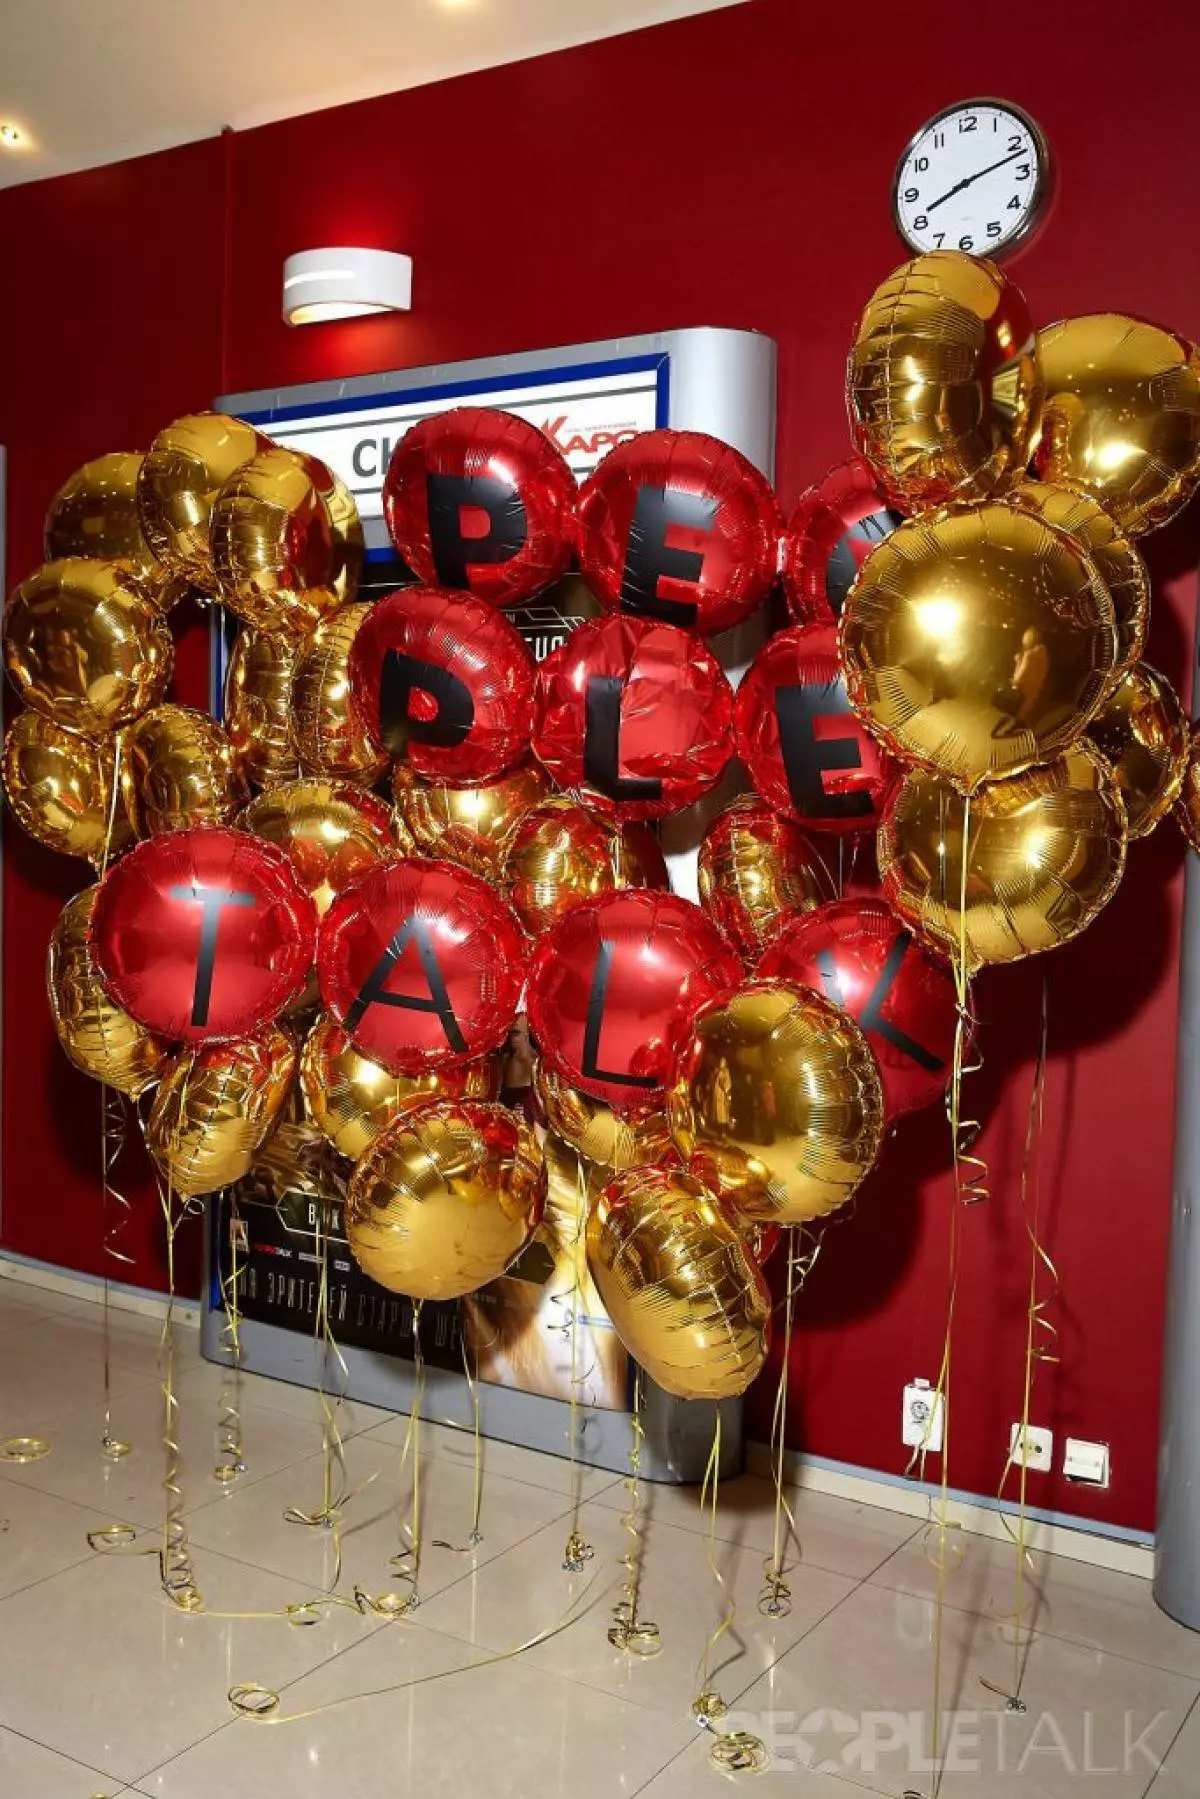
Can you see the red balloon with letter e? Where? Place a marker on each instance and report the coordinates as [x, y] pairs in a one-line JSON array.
[[481, 500], [422, 964], [614, 984], [858, 954], [203, 934], [808, 755]]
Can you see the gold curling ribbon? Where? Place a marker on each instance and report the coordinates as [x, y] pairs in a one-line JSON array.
[[406, 1563], [775, 1600], [577, 1551], [23, 1449], [475, 1535], [629, 1631], [175, 1559], [231, 1462], [112, 1143], [732, 1751]]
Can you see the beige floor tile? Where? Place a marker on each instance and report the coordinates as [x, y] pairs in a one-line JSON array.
[[29, 1771], [41, 1383], [135, 1342], [40, 1535], [1179, 1778], [302, 1403], [97, 1664], [1094, 1606], [507, 1731], [855, 1698], [694, 1774], [552, 1472], [523, 1590], [250, 1524], [832, 1533]]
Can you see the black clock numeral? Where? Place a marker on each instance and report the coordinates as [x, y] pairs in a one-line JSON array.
[[1015, 143], [1014, 204], [921, 222], [920, 164], [993, 228], [1023, 171], [911, 193], [968, 122], [939, 140], [939, 238], [966, 243]]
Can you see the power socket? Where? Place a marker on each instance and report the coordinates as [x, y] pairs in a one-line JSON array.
[[1038, 1455], [924, 1422]]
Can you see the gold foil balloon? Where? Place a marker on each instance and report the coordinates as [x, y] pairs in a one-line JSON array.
[[60, 786], [684, 1293], [756, 870], [96, 1035], [85, 645], [352, 1100], [1122, 415], [471, 825], [1143, 734], [1187, 806], [445, 1199], [272, 542], [258, 706], [348, 543], [977, 641], [1045, 853], [95, 514], [776, 1103], [943, 385], [603, 1138], [181, 475], [214, 1107], [1116, 561], [178, 769], [325, 732], [332, 831], [297, 1158], [563, 852]]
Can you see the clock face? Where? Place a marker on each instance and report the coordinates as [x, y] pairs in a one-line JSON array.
[[974, 178]]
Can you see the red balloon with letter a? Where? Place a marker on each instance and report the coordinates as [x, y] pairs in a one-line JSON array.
[[677, 526], [481, 500], [204, 934], [808, 755], [858, 954], [614, 985], [422, 965]]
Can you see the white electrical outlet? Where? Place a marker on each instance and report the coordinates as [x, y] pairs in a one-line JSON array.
[[924, 1424], [1039, 1448], [1087, 1462]]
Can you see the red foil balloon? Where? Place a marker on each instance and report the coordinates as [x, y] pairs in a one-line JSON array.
[[831, 533], [677, 526], [807, 754], [204, 934], [634, 714], [481, 500], [613, 986], [422, 965], [444, 683], [858, 954]]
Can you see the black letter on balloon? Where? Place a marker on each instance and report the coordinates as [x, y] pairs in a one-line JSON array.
[[602, 744], [214, 900], [805, 757], [447, 496], [648, 557], [455, 706], [851, 551], [374, 993], [871, 1017], [595, 1024]]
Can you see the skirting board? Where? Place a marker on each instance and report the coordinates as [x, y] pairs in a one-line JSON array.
[[1053, 1534]]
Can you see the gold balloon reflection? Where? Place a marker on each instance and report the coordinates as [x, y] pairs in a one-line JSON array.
[[977, 641], [326, 733], [562, 852], [684, 1292], [1122, 417], [755, 871], [1143, 734], [258, 706], [1045, 853], [352, 1100], [178, 769], [272, 543], [943, 384], [1117, 562], [332, 831], [181, 475], [604, 1138], [96, 1035], [95, 514], [445, 1199], [60, 787], [471, 825], [214, 1107]]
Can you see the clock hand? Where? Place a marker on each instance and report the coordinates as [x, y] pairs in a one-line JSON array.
[[968, 179]]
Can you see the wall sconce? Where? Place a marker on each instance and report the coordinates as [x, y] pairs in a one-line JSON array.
[[344, 284]]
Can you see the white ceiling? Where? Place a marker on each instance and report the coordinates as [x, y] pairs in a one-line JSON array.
[[93, 81]]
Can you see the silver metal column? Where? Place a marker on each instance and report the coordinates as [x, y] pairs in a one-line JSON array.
[[1177, 1554]]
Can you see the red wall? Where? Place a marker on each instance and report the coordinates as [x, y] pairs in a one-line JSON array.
[[733, 169]]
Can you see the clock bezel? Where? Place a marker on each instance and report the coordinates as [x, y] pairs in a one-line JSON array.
[[1042, 187]]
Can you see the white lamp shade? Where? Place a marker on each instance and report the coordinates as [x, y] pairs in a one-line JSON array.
[[341, 283]]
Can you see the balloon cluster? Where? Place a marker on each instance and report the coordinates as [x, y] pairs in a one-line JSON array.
[[406, 836]]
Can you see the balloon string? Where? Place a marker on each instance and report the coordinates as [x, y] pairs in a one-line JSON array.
[[629, 1632], [578, 1551], [775, 1600], [1041, 1339], [231, 1461], [732, 1751], [406, 1563], [175, 1562], [475, 1535], [112, 1142], [334, 1496]]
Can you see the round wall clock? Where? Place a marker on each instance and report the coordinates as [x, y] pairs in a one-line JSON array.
[[974, 178]]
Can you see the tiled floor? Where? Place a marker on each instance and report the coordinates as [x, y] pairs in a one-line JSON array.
[[503, 1683]]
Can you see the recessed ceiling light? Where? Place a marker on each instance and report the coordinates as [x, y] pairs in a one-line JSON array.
[[12, 137]]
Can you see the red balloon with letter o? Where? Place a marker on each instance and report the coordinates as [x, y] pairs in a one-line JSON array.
[[615, 983], [205, 934], [422, 965], [481, 500], [675, 525]]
